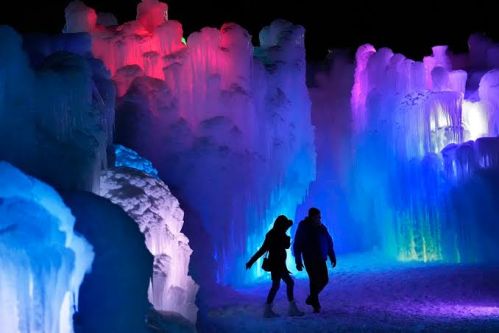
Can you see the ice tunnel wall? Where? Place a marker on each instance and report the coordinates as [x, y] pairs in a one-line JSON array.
[[56, 108], [330, 84], [412, 155], [56, 121], [226, 124], [134, 186], [43, 261]]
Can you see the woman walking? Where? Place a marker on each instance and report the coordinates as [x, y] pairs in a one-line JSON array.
[[276, 242]]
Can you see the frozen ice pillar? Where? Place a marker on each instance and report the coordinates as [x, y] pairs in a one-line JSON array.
[[79, 18], [134, 186], [42, 261], [152, 13]]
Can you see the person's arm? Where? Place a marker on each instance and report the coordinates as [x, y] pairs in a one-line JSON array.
[[287, 241], [298, 247], [261, 251], [330, 251]]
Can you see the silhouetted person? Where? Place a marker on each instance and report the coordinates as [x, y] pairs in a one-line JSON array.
[[276, 242], [313, 242]]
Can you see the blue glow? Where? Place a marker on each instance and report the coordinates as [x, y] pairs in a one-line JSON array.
[[43, 261], [411, 163], [284, 200], [126, 157]]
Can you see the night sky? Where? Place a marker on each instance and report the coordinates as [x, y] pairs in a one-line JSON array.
[[409, 27]]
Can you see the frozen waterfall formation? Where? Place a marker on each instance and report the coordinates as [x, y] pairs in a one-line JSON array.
[[134, 186], [216, 104], [42, 260], [406, 152], [56, 122], [56, 109], [422, 132], [226, 124]]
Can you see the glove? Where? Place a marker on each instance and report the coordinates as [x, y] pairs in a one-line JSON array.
[[248, 265], [299, 267]]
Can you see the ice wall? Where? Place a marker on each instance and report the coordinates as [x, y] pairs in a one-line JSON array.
[[411, 158], [400, 128], [472, 206], [330, 87], [56, 109], [43, 260], [126, 157], [149, 202], [227, 124]]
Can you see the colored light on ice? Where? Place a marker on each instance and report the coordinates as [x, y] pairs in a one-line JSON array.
[[475, 120]]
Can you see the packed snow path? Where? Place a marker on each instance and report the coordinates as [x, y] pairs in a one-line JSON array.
[[367, 295]]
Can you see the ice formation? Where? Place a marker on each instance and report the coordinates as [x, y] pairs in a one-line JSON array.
[[406, 150], [217, 103], [126, 157], [56, 120], [330, 92], [149, 202], [213, 105], [43, 260], [421, 133]]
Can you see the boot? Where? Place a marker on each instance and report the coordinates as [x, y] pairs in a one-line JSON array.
[[317, 306], [293, 310], [268, 312], [314, 303]]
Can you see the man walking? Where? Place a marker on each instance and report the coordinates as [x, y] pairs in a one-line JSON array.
[[315, 245]]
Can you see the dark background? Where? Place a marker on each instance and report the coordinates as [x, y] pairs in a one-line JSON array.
[[408, 27]]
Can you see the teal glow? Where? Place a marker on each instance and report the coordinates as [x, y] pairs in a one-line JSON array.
[[283, 200]]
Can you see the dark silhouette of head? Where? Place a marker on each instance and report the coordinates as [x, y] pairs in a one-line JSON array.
[[314, 214], [282, 223]]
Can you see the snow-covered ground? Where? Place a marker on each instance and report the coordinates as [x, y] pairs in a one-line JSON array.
[[367, 294]]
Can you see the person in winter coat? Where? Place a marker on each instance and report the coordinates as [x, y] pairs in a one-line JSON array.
[[313, 243], [276, 242]]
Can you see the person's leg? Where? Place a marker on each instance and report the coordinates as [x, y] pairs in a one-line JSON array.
[[276, 282], [289, 286], [293, 310], [322, 276], [312, 277], [315, 285], [322, 280]]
